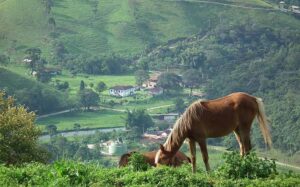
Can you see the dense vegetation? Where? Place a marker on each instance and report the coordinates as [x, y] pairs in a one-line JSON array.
[[68, 173], [247, 57]]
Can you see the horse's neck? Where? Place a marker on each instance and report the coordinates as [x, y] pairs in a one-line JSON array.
[[175, 141]]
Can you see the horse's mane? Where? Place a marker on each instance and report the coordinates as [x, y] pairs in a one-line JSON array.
[[183, 124]]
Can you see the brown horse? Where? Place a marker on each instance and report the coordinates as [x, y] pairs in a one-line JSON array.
[[179, 159], [215, 118]]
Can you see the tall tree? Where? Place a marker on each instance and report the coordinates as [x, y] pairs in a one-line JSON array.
[[169, 81], [179, 105], [4, 60], [88, 98], [191, 79], [101, 86], [34, 55], [82, 85], [141, 76], [18, 134], [138, 121]]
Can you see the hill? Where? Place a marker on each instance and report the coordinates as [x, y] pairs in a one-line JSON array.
[[36, 96], [93, 27]]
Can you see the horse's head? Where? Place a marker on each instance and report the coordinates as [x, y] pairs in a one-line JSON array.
[[163, 157]]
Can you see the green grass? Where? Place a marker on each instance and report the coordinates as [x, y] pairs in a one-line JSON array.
[[93, 119], [109, 80], [122, 27]]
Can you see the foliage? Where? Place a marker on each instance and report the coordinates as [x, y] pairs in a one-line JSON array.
[[169, 81], [70, 173], [4, 59], [101, 86], [179, 105], [137, 162], [138, 121], [141, 76], [88, 98], [192, 79], [18, 134], [249, 166]]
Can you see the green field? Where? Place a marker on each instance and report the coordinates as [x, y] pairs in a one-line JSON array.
[[93, 119], [122, 27], [109, 80]]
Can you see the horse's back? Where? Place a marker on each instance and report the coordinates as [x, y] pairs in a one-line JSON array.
[[222, 116]]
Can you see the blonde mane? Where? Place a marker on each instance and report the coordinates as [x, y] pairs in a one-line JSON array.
[[181, 127]]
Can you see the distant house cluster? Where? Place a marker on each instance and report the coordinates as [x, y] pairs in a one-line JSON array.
[[294, 9], [127, 90], [151, 85]]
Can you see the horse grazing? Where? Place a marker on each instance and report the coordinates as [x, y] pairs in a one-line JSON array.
[[177, 160], [215, 118]]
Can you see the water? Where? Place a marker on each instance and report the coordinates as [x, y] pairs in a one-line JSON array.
[[83, 132]]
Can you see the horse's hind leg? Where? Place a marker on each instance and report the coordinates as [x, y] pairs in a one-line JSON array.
[[193, 154], [203, 147], [245, 138], [238, 138]]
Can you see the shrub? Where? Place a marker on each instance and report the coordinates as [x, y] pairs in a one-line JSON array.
[[137, 162], [249, 166]]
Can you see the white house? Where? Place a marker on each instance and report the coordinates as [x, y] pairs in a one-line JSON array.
[[122, 91]]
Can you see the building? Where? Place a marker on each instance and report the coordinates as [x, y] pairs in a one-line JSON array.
[[295, 9], [122, 91], [152, 81]]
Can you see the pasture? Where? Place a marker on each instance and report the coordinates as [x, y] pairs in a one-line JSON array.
[[90, 119]]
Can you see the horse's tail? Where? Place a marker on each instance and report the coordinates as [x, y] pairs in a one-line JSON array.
[[263, 122]]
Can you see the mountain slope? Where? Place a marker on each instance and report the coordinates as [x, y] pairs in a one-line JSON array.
[[125, 27]]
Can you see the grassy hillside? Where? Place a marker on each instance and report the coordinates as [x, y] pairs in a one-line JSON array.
[[125, 27], [36, 96]]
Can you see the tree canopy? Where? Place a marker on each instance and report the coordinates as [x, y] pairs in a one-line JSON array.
[[18, 134]]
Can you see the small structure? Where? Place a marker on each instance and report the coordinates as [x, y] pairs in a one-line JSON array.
[[27, 60], [281, 5], [122, 91], [295, 9], [152, 81], [117, 148]]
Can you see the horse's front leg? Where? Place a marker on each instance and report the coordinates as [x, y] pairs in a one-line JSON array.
[[203, 147], [193, 154]]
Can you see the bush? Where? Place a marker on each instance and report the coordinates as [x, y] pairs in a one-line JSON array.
[[137, 162], [249, 166]]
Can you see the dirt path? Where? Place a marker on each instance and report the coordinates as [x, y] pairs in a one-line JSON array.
[[225, 4], [99, 108]]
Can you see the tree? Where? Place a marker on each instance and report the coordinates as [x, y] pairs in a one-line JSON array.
[[76, 126], [88, 98], [169, 81], [138, 121], [82, 85], [101, 86], [18, 134], [52, 130], [34, 54], [191, 79], [52, 23], [4, 60], [179, 105], [141, 76]]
